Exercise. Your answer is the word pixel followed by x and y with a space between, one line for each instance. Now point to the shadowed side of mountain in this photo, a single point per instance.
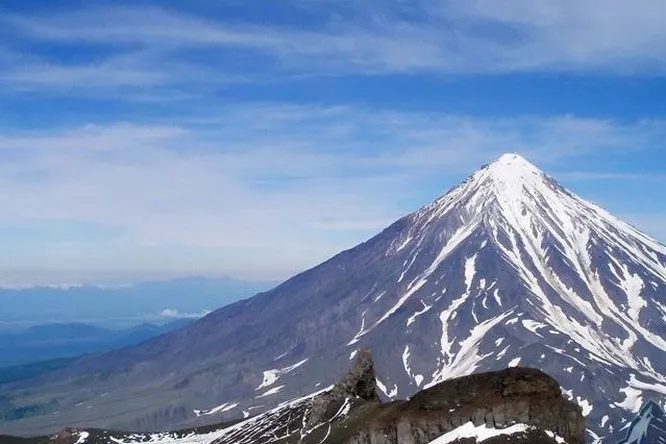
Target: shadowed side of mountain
pixel 517 405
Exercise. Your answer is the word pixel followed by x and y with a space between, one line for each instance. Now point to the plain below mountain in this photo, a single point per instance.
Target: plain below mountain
pixel 65 340
pixel 122 306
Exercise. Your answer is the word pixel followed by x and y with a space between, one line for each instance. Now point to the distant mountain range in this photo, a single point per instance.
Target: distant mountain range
pixel 122 306
pixel 51 342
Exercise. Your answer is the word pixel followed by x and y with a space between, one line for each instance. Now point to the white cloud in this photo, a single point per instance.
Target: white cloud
pixel 170 313
pixel 256 191
pixel 149 46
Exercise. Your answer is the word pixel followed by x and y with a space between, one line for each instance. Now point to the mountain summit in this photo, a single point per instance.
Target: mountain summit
pixel 507 268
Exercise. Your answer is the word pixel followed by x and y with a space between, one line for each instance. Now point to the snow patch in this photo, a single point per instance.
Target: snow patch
pixel 219 409
pixel 389 393
pixel 270 392
pixel 480 433
pixel 413 317
pixel 271 376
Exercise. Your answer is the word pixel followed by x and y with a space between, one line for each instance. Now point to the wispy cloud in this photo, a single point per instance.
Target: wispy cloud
pixel 152 46
pixel 171 313
pixel 267 188
pixel 652 223
pixel 611 176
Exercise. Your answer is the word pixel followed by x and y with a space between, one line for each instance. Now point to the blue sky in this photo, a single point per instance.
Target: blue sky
pixel 255 139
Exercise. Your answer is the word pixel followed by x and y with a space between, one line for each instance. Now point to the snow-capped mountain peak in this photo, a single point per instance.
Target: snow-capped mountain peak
pixel 511 171
pixel 507 269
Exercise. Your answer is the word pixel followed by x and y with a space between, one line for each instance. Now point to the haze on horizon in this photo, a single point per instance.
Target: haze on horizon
pixel 151 140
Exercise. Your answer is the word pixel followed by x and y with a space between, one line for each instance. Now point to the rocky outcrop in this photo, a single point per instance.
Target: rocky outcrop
pixel 360 381
pixel 66 436
pixel 357 386
pixel 496 400
pixel 526 401
pixel 351 412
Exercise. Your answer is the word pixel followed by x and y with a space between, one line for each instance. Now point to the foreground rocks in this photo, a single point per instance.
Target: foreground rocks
pixel 351 412
pixel 525 401
pixel 66 436
pixel 496 400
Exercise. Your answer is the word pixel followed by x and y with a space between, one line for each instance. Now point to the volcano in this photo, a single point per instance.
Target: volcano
pixel 508 268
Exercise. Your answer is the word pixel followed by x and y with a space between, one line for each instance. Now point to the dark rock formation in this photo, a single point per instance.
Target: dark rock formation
pixel 357 386
pixel 496 399
pixel 351 414
pixel 66 436
pixel 360 381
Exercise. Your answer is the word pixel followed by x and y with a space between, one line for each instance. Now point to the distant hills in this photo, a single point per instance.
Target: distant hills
pixel 122 306
pixel 41 348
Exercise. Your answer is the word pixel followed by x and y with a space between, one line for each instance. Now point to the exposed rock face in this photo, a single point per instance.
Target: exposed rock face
pixel 358 385
pixel 496 399
pixel 351 414
pixel 66 436
pixel 360 381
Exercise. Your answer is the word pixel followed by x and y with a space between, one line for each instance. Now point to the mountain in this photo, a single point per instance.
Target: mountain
pixel 63 340
pixel 515 405
pixel 508 268
pixel 121 306
pixel 649 427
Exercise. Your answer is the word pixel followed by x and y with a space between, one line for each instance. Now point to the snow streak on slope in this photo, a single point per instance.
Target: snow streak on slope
pixel 274 424
pixel 584 287
pixel 507 269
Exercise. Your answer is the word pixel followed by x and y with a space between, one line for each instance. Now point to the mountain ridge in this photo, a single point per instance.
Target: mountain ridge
pixel 508 268
pixel 518 405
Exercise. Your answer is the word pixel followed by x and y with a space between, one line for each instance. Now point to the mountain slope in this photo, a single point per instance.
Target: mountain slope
pixel 649 427
pixel 508 268
pixel 517 405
